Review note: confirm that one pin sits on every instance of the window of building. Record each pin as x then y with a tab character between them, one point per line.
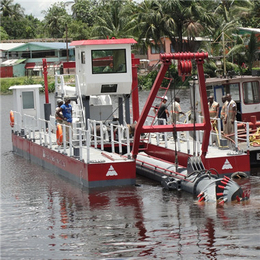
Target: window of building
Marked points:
251	92
108	61
156	49
171	48
64	53
43	54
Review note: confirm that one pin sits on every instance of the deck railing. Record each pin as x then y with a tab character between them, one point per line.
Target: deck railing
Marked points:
116	135
216	136
43	132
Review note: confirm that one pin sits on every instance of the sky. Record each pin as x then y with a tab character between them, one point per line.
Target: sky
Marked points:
35	7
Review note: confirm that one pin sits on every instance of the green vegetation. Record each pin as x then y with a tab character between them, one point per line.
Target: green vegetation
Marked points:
148	20
6	83
146	81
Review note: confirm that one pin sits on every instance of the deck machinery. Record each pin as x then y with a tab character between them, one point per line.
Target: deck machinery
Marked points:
192	176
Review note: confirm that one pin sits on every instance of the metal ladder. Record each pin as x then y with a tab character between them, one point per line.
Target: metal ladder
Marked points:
154	117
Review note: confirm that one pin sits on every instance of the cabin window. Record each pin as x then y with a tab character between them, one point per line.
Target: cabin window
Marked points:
109	88
108	61
28	100
251	92
233	89
82	57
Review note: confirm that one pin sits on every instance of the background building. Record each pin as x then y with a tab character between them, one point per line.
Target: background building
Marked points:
25	59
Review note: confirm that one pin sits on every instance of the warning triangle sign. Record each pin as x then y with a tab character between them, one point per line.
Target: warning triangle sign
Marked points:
227	165
111	171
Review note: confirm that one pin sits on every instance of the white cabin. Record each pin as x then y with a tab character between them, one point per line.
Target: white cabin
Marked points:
104	66
26	100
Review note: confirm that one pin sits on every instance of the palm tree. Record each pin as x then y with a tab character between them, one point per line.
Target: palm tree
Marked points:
56	19
17	12
231	10
6	7
186	18
84	10
114	20
174	19
10	10
245	51
149	21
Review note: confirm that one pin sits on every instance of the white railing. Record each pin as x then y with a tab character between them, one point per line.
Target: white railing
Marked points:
247	132
116	135
215	136
45	135
60	83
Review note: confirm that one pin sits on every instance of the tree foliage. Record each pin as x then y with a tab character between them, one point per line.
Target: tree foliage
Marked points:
146	21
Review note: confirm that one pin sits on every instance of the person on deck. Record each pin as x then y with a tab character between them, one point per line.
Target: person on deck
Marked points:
175	114
213	108
58	114
176	110
162	114
230	115
66	109
223	112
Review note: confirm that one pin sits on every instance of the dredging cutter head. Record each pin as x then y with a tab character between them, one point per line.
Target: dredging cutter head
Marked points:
205	185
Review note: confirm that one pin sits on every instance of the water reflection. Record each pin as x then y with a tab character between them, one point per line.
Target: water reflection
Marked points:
44	216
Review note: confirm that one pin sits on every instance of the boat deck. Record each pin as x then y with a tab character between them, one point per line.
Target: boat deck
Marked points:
224	160
85	153
192	147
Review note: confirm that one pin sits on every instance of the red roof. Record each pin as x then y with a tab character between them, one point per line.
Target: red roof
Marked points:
104	42
30	65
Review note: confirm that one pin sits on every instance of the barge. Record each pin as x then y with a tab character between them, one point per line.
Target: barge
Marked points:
105	149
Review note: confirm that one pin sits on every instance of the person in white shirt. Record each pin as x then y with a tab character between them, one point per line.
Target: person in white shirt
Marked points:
176	110
230	115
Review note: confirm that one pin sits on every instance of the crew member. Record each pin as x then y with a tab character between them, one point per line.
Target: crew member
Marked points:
213	107
66	109
58	113
223	112
176	110
175	114
230	115
163	113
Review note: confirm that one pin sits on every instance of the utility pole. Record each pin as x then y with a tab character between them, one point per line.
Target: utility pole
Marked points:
224	54
67	48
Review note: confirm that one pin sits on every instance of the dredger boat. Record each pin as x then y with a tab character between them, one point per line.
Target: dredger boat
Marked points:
108	150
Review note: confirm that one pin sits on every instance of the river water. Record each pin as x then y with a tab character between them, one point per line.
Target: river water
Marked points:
46	217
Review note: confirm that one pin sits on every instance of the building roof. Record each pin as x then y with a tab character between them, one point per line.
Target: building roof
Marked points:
12	62
8	46
35	46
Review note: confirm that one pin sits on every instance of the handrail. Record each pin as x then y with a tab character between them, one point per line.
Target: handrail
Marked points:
108	135
43	132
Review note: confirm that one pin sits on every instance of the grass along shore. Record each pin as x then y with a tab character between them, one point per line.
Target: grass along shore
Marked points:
6	83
